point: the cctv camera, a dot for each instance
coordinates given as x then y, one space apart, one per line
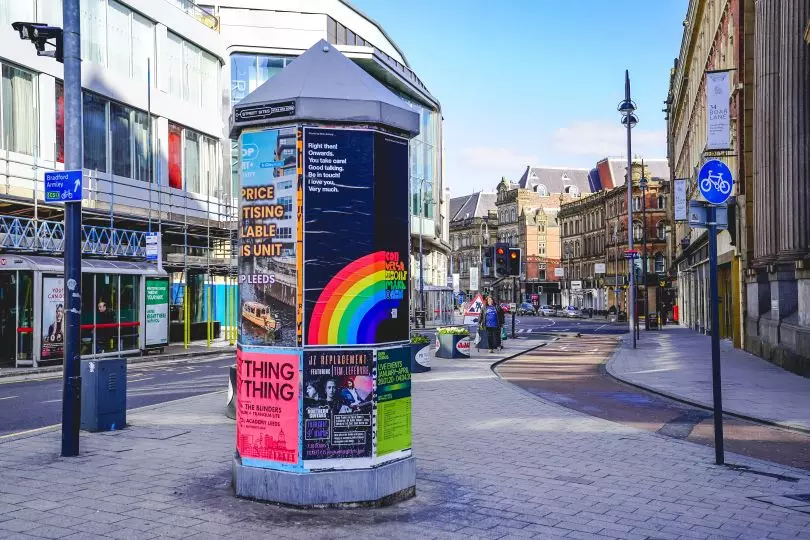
25 28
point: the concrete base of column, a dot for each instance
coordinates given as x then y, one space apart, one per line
380 486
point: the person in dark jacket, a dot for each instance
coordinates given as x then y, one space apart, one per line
491 323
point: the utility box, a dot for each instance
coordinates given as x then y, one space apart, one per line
104 394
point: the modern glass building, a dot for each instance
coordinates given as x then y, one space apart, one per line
261 39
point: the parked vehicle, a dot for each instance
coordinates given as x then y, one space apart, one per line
547 311
559 311
525 309
573 313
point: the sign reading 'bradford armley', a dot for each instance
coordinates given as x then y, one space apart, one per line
264 111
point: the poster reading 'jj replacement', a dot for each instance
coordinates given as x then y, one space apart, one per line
338 402
267 391
356 237
267 233
157 312
393 400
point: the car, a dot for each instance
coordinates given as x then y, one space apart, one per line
547 311
525 309
559 311
573 313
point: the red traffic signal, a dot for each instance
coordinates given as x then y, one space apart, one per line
499 251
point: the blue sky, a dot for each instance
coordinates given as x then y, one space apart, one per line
536 82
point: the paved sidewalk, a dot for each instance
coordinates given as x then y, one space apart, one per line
492 462
175 351
677 362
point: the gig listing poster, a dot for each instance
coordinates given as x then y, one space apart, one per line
393 400
338 403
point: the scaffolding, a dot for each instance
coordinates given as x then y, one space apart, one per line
198 231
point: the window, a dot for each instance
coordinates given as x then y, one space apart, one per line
119 37
637 231
191 161
661 202
659 263
175 156
542 249
191 73
140 143
120 139
143 47
513 215
661 229
210 168
93 31
284 233
16 10
94 123
19 110
129 312
287 203
174 56
636 204
60 122
209 75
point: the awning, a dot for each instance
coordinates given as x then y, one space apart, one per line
56 265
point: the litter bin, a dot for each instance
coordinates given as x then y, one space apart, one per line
652 320
104 394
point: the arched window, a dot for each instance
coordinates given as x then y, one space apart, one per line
659 263
638 232
541 190
513 215
661 229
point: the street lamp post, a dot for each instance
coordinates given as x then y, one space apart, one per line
629 120
642 184
481 237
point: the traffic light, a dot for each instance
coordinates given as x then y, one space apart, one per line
501 267
514 262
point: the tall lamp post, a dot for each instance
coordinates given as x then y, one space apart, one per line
481 238
422 212
642 184
629 120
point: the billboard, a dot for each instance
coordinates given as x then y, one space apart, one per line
267 233
393 400
53 319
356 237
157 312
267 395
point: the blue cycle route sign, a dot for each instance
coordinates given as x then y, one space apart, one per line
63 186
715 181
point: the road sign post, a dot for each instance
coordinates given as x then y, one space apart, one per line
715 183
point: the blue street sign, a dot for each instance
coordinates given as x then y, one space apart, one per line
699 216
63 186
715 181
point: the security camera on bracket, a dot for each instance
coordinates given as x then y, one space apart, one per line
39 34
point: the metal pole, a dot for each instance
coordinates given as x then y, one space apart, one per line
631 307
149 133
713 306
644 242
514 293
421 256
72 381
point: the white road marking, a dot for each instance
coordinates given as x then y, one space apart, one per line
7 397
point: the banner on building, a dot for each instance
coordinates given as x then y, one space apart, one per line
473 278
718 117
559 272
267 393
356 236
599 268
679 199
456 283
393 400
267 232
53 319
338 403
156 333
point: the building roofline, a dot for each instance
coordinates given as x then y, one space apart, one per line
379 27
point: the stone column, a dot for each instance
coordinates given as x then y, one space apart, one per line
794 132
766 131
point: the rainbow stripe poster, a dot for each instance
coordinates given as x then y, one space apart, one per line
356 260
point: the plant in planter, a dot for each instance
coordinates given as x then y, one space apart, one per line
420 353
454 342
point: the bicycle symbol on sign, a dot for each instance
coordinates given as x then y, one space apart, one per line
716 181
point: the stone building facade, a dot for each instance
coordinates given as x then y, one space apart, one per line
764 256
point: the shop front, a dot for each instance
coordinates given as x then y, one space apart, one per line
125 309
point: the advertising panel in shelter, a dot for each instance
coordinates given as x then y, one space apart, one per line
53 319
356 237
267 233
393 400
338 402
157 312
267 407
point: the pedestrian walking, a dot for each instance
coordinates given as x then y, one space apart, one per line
492 324
501 321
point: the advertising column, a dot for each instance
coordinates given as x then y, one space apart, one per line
268 358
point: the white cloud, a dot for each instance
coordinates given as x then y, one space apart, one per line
602 139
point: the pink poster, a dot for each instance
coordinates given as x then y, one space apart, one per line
267 405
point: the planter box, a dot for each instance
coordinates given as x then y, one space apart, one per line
420 358
453 346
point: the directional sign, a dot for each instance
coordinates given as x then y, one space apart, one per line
630 253
63 186
715 181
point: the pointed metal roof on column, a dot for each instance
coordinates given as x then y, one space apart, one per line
323 85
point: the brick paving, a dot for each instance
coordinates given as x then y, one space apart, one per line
493 462
677 361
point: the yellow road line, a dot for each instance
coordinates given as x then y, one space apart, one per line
29 431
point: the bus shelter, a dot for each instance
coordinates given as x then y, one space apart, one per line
125 307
